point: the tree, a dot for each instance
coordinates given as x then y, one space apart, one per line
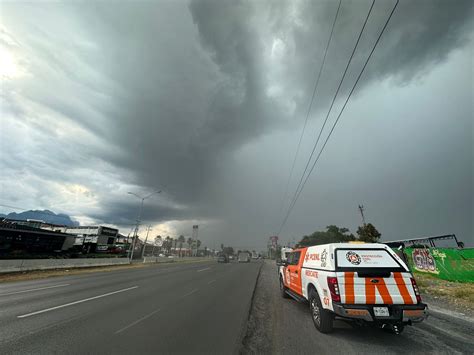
181 240
175 244
189 242
228 250
198 243
368 233
167 245
332 234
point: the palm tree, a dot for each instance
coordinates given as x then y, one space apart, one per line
175 244
189 242
181 240
168 244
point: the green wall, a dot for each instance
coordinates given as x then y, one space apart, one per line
447 264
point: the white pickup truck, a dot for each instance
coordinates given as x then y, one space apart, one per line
363 283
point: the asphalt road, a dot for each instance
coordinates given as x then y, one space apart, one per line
178 308
284 326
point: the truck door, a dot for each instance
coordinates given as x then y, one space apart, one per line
294 272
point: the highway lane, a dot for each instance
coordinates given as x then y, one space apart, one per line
177 308
284 326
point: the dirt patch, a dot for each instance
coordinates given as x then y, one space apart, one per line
41 274
458 296
257 339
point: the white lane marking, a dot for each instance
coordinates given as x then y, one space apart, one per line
190 293
210 282
137 321
76 302
33 289
208 268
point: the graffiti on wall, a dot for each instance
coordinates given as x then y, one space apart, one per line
424 261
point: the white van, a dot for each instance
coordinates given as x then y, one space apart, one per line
364 283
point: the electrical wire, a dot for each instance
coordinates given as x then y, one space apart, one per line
340 114
310 105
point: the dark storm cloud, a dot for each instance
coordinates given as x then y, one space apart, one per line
119 213
186 107
421 34
171 92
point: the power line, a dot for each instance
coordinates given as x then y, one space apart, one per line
293 201
349 96
333 100
342 109
310 105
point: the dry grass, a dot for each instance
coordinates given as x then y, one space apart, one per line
457 293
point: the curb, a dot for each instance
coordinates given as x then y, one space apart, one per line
452 316
245 327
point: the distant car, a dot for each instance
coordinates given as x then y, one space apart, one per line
222 258
244 257
161 255
231 257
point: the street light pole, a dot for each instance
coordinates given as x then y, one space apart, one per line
135 233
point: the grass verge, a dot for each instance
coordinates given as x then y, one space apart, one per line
457 293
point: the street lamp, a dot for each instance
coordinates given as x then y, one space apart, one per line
135 233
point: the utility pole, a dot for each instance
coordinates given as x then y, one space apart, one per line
146 239
135 233
195 237
361 209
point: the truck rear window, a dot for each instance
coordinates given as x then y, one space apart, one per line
356 259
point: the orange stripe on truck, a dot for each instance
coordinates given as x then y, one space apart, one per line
381 287
402 287
349 287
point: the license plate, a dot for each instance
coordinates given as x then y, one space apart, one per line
381 312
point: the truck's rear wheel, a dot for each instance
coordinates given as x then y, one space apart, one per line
322 318
283 289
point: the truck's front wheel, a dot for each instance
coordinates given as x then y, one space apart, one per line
322 318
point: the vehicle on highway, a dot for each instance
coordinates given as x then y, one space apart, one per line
244 257
222 258
284 252
363 283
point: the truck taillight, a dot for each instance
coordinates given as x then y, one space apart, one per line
415 288
334 289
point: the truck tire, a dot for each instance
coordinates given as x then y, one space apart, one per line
283 289
322 318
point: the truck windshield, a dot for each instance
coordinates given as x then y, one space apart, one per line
357 259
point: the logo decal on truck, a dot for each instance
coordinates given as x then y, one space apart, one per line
353 258
324 256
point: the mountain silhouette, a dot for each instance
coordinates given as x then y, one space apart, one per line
44 215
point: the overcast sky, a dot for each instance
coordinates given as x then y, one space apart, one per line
206 100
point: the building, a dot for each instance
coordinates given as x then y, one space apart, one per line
93 238
18 238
